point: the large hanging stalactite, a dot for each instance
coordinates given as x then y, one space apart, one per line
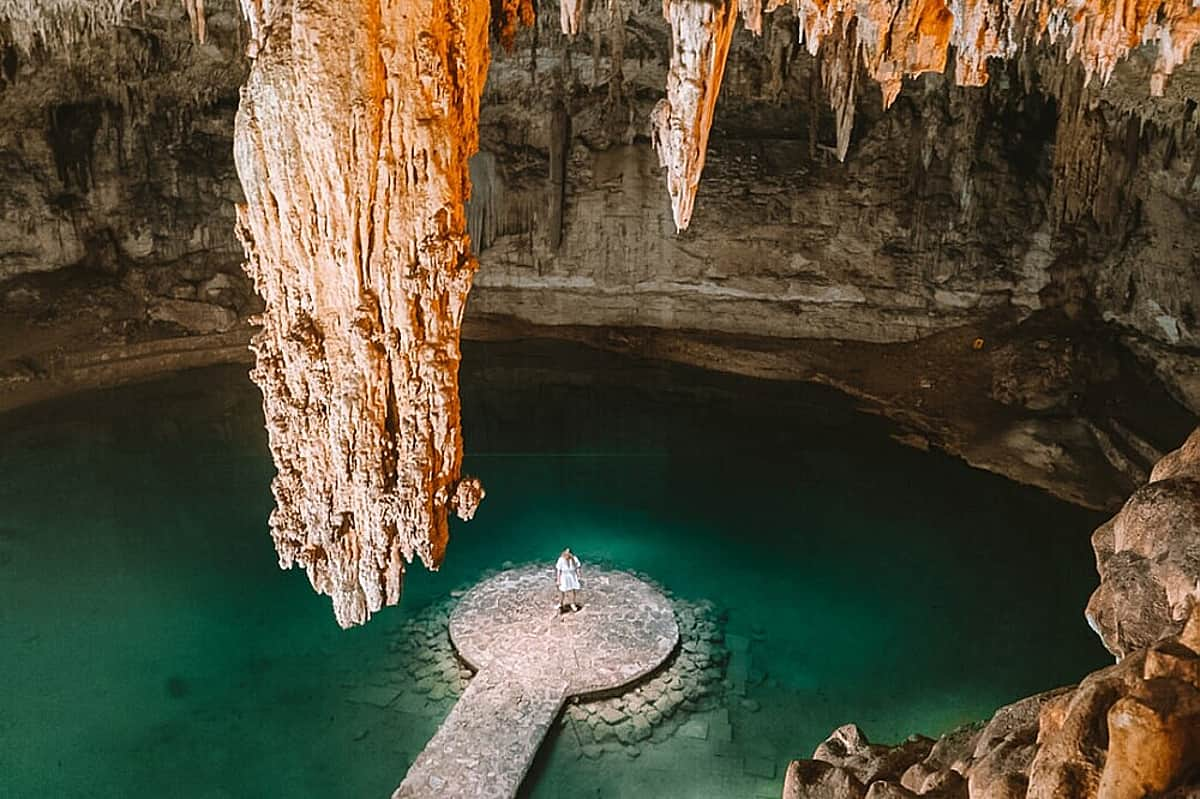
352 143
701 33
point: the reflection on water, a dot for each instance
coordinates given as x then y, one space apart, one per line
150 645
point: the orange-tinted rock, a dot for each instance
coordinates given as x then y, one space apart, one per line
700 37
892 39
508 17
908 37
1150 743
1130 730
352 142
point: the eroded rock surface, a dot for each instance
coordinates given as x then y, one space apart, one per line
893 39
1148 557
352 142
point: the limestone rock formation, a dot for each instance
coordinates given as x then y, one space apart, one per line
64 24
1148 556
701 33
1124 732
352 142
894 39
1038 200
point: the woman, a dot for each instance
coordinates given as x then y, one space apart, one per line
566 572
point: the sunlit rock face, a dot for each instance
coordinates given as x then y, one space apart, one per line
352 142
1148 556
1125 732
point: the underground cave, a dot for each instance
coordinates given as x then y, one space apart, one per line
850 347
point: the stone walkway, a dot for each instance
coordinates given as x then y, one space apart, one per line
530 659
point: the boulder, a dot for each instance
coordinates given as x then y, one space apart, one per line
849 748
1016 722
1148 557
888 790
1003 771
814 779
846 741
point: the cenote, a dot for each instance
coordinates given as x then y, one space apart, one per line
151 646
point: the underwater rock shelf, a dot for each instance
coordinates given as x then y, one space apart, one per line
530 660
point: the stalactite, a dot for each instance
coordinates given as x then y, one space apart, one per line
571 14
701 33
597 44
62 24
352 143
57 24
780 42
485 208
908 37
560 141
616 26
839 79
752 15
195 13
893 39
1094 160
507 17
257 12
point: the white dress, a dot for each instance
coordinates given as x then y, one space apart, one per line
567 569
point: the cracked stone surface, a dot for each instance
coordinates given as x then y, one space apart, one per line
530 660
625 630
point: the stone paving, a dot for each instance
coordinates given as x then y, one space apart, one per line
530 659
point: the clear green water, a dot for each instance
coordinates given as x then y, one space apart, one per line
149 645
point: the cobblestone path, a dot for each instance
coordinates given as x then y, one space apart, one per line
530 659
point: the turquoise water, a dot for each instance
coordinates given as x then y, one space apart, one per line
150 645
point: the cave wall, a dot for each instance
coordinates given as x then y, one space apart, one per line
1039 202
117 164
956 206
785 241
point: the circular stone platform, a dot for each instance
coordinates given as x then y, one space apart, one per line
624 630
